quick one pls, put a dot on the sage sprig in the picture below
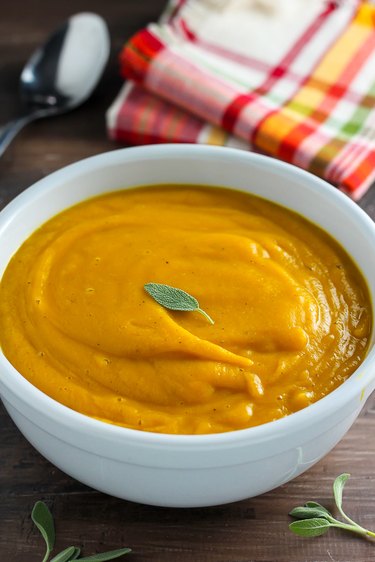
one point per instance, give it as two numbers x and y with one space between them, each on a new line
314 520
43 520
174 299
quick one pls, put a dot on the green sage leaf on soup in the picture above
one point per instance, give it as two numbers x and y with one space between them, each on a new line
174 299
43 520
310 527
106 555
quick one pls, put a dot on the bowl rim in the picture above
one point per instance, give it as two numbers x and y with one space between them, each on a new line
26 392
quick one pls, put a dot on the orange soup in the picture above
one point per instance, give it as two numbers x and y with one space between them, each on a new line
291 311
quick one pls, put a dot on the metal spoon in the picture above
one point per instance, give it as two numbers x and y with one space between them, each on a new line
61 74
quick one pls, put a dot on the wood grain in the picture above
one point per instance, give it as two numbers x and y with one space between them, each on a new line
254 530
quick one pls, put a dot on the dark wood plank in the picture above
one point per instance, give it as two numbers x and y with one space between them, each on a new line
253 530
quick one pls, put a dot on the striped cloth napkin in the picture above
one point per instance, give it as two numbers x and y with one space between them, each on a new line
294 79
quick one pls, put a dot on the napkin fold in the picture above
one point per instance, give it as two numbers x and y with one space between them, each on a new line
293 79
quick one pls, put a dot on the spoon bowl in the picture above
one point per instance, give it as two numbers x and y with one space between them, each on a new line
61 74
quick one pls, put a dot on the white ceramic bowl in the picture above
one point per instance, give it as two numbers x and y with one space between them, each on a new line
199 470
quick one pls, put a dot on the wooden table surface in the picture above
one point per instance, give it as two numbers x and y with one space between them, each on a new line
252 530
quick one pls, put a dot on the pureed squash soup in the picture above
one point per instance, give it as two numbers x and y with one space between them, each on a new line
291 311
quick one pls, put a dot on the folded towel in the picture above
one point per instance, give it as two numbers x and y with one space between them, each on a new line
292 79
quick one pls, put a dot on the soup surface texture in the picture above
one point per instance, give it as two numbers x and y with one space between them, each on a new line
291 311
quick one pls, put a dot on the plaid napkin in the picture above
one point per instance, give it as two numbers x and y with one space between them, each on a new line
294 79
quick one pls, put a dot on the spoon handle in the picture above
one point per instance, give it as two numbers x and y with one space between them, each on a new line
9 131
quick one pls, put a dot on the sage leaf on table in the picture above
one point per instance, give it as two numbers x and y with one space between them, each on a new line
338 487
307 512
174 299
43 519
106 555
314 519
70 553
316 505
313 527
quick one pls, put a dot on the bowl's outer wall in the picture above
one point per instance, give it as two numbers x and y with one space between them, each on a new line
187 470
183 487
